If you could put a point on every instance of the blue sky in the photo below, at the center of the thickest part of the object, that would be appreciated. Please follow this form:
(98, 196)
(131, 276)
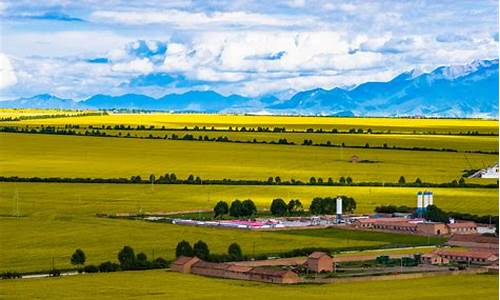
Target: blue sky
(75, 49)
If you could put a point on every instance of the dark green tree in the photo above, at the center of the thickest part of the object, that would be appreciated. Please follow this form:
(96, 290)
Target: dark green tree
(348, 180)
(278, 207)
(248, 208)
(126, 257)
(235, 209)
(342, 180)
(461, 181)
(183, 249)
(78, 258)
(220, 209)
(200, 250)
(435, 214)
(402, 180)
(295, 206)
(312, 180)
(418, 181)
(234, 251)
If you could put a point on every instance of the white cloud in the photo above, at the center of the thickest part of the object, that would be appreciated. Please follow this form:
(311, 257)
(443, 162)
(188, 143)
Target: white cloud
(7, 73)
(185, 19)
(142, 66)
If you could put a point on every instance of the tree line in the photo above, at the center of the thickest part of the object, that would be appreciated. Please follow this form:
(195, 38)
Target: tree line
(191, 179)
(127, 260)
(224, 139)
(279, 208)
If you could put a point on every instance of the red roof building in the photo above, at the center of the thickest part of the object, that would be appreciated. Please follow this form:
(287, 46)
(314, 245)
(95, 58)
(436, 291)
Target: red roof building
(319, 262)
(183, 264)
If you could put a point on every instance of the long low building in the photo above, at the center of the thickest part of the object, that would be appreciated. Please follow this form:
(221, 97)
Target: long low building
(194, 265)
(417, 226)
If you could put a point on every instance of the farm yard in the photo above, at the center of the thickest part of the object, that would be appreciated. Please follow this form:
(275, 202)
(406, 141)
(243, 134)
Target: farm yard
(43, 223)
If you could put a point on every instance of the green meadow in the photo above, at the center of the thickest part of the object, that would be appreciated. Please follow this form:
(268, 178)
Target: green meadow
(32, 155)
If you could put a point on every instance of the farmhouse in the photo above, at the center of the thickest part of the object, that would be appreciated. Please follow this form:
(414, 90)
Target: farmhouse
(183, 264)
(194, 265)
(319, 262)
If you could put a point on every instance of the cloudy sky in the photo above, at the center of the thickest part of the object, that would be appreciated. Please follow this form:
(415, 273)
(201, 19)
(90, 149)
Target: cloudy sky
(75, 49)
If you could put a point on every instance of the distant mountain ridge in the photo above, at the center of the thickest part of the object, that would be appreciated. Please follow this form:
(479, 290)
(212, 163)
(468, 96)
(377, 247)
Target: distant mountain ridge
(456, 91)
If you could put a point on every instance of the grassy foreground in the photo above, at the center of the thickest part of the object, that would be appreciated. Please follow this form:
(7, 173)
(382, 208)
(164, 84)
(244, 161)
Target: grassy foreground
(168, 285)
(73, 156)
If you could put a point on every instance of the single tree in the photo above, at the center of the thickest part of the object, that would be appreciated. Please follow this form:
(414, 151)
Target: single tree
(342, 180)
(200, 250)
(220, 209)
(418, 181)
(348, 180)
(461, 181)
(183, 249)
(126, 257)
(312, 180)
(235, 209)
(78, 258)
(402, 180)
(278, 207)
(248, 208)
(234, 251)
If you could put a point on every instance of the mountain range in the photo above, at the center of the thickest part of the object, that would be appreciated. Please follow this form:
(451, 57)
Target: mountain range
(450, 91)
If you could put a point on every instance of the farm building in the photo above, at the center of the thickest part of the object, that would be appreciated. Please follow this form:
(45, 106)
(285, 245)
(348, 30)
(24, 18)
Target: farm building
(196, 266)
(462, 228)
(183, 264)
(319, 262)
(474, 241)
(418, 226)
(490, 172)
(470, 257)
(434, 259)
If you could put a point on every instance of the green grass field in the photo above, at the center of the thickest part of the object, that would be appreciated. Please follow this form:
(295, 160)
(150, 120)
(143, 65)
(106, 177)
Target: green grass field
(58, 218)
(73, 156)
(64, 214)
(457, 142)
(168, 285)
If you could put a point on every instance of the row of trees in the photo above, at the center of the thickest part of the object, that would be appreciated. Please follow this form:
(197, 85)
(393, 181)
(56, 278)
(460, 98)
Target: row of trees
(280, 208)
(190, 137)
(328, 205)
(245, 208)
(200, 249)
(191, 179)
(127, 260)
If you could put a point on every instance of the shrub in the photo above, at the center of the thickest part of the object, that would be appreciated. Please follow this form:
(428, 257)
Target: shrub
(90, 269)
(109, 267)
